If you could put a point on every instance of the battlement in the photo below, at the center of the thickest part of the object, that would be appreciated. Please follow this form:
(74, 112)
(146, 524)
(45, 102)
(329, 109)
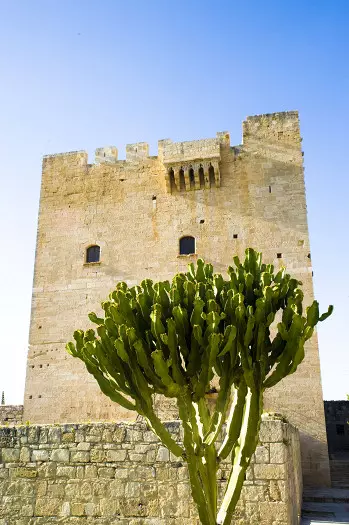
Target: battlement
(282, 126)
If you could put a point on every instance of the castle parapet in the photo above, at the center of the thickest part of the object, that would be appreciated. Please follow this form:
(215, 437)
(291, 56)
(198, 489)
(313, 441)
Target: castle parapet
(137, 151)
(106, 154)
(72, 159)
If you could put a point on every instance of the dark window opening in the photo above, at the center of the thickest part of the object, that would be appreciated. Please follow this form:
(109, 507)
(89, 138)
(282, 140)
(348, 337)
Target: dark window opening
(202, 221)
(340, 430)
(279, 255)
(269, 189)
(39, 396)
(172, 180)
(30, 397)
(187, 245)
(201, 177)
(309, 256)
(154, 198)
(280, 134)
(181, 180)
(211, 176)
(93, 254)
(235, 236)
(191, 179)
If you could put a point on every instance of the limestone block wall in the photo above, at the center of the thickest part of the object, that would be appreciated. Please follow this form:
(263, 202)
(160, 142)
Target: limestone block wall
(136, 210)
(108, 474)
(11, 414)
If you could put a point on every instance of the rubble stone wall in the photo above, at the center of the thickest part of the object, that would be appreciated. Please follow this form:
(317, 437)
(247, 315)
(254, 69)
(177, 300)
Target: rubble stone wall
(11, 414)
(108, 474)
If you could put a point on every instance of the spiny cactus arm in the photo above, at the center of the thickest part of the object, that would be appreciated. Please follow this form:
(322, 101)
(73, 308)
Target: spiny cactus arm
(165, 437)
(210, 454)
(242, 455)
(326, 314)
(199, 485)
(234, 421)
(218, 417)
(110, 389)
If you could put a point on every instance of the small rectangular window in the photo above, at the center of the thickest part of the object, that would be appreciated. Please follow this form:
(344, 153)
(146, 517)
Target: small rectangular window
(279, 255)
(235, 236)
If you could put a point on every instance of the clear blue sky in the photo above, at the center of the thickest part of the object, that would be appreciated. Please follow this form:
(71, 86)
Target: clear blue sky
(83, 74)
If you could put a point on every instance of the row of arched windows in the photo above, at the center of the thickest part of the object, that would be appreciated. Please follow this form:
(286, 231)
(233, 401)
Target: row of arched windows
(186, 247)
(210, 180)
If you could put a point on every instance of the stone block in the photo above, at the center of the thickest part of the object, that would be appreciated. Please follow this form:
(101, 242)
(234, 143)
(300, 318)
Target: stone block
(163, 454)
(46, 506)
(278, 453)
(77, 509)
(54, 435)
(262, 454)
(10, 455)
(77, 456)
(25, 472)
(68, 437)
(116, 455)
(90, 471)
(98, 455)
(106, 472)
(24, 455)
(66, 472)
(270, 471)
(60, 455)
(117, 488)
(65, 510)
(39, 455)
(271, 431)
(83, 446)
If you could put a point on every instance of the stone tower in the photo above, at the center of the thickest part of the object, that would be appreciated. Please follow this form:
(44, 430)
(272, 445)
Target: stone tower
(125, 220)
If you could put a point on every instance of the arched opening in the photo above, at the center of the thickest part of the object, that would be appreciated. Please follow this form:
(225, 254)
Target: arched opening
(191, 179)
(187, 245)
(93, 254)
(181, 180)
(211, 176)
(201, 177)
(172, 180)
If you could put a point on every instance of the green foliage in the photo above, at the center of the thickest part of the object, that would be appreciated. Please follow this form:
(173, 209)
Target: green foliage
(175, 338)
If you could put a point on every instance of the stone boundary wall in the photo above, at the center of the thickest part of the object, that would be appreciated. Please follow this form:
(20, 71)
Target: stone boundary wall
(11, 414)
(108, 474)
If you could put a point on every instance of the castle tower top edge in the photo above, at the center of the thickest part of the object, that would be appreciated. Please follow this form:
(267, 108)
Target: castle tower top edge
(169, 151)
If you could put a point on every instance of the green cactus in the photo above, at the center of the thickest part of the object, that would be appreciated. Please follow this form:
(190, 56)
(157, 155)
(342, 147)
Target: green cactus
(176, 338)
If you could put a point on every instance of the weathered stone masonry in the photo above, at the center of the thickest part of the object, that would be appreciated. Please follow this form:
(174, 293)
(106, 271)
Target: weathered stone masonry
(108, 474)
(11, 414)
(136, 210)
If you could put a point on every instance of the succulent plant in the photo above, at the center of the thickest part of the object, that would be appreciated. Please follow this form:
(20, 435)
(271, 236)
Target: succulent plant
(176, 338)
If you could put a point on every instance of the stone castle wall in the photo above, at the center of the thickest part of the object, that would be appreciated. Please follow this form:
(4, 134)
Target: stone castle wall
(108, 474)
(136, 210)
(11, 414)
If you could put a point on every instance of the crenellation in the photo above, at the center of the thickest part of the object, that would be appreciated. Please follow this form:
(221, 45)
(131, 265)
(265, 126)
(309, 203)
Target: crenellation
(137, 151)
(106, 154)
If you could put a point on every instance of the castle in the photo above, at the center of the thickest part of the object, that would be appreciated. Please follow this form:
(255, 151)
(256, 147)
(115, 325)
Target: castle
(149, 216)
